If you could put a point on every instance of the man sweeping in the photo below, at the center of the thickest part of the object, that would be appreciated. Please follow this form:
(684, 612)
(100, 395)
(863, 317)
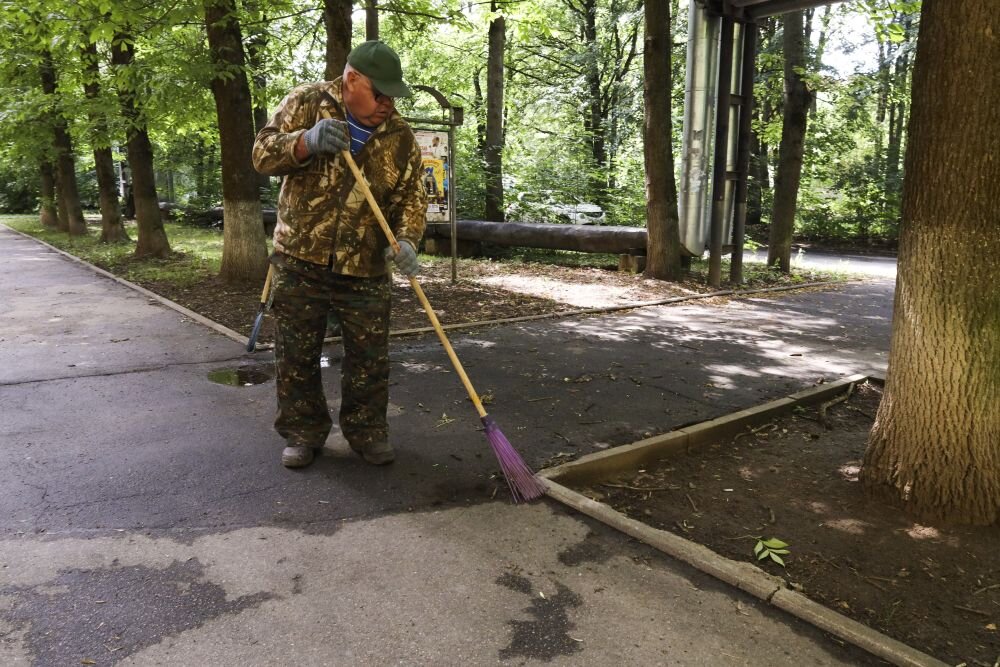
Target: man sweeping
(330, 254)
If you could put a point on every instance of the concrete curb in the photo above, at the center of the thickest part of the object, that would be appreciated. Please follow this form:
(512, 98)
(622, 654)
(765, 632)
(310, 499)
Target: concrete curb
(240, 338)
(745, 576)
(201, 319)
(749, 578)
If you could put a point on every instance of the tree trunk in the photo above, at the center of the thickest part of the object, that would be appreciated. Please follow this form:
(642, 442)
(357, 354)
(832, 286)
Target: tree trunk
(47, 212)
(897, 126)
(337, 17)
(663, 249)
(256, 45)
(69, 197)
(594, 119)
(244, 250)
(112, 228)
(371, 19)
(494, 119)
(793, 133)
(152, 239)
(477, 106)
(935, 446)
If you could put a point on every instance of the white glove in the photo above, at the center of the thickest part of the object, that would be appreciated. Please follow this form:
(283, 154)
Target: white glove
(329, 135)
(405, 260)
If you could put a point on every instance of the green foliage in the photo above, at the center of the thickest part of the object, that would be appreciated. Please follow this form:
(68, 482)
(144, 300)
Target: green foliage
(197, 251)
(772, 548)
(849, 189)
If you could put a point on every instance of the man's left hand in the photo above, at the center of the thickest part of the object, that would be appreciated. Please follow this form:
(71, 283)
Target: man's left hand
(405, 260)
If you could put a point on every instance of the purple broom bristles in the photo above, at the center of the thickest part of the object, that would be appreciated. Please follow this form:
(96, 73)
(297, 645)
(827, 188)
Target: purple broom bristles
(521, 480)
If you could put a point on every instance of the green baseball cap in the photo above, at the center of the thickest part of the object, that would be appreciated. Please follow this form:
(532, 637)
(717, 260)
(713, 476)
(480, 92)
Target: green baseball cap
(380, 63)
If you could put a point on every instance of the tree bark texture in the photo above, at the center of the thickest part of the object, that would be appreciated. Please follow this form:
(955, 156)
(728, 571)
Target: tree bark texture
(152, 239)
(663, 251)
(112, 227)
(256, 45)
(582, 238)
(494, 119)
(244, 249)
(790, 151)
(48, 215)
(594, 123)
(935, 445)
(371, 19)
(71, 218)
(337, 18)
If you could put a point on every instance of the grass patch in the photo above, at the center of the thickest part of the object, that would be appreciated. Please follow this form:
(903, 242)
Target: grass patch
(756, 275)
(196, 253)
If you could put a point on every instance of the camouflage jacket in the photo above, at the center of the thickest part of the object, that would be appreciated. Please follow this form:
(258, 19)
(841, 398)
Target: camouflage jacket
(323, 216)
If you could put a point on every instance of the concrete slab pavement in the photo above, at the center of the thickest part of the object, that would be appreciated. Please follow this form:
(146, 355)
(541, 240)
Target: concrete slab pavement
(147, 520)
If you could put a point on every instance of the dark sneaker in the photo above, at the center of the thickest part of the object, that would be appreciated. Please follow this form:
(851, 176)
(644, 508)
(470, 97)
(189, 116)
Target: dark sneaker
(297, 457)
(376, 453)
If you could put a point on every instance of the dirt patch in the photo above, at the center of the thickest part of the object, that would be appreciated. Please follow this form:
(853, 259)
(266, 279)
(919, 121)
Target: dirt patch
(485, 290)
(936, 588)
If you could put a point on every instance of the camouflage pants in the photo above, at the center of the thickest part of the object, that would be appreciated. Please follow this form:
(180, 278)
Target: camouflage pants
(304, 294)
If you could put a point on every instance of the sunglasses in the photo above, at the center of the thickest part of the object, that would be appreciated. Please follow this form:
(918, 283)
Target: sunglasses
(380, 96)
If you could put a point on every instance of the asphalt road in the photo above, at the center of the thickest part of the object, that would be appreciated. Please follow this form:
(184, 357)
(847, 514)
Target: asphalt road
(146, 519)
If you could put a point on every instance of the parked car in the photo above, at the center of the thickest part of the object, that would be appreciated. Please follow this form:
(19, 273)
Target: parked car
(544, 207)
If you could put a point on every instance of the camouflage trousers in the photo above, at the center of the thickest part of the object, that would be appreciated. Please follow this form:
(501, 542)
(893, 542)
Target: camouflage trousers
(304, 294)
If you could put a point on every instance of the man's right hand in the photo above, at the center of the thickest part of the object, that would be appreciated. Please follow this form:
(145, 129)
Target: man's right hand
(327, 136)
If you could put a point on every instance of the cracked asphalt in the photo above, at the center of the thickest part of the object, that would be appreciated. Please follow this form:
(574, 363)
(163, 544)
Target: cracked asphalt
(146, 519)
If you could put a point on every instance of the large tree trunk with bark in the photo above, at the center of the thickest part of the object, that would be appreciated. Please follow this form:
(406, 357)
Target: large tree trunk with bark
(48, 215)
(152, 239)
(494, 119)
(371, 19)
(337, 18)
(793, 134)
(244, 250)
(663, 250)
(112, 228)
(71, 212)
(256, 45)
(935, 446)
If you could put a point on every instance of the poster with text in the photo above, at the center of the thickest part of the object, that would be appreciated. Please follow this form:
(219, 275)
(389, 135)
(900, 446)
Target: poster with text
(434, 155)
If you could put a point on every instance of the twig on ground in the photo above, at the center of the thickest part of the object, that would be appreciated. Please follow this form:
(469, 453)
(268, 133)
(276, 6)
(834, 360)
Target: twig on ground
(771, 513)
(986, 588)
(832, 402)
(971, 611)
(691, 500)
(638, 488)
(826, 560)
(755, 431)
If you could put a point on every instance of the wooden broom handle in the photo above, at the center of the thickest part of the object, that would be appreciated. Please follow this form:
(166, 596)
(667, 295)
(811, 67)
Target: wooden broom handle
(363, 184)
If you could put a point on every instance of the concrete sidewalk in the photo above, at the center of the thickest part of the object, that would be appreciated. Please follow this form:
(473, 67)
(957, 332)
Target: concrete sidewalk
(146, 518)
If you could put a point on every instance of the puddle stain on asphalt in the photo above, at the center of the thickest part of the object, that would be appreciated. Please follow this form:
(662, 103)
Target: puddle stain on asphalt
(241, 376)
(588, 550)
(109, 614)
(547, 636)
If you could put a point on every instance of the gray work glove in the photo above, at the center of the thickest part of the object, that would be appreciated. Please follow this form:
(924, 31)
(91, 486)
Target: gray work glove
(405, 259)
(327, 136)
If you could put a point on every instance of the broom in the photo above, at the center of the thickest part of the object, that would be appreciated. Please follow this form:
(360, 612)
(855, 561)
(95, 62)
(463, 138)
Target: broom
(521, 480)
(265, 302)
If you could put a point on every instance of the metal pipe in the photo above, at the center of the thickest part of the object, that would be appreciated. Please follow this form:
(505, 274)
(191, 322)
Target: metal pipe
(694, 195)
(743, 157)
(721, 151)
(775, 7)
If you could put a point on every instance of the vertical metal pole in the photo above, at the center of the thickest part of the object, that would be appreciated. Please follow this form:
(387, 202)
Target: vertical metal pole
(743, 156)
(452, 198)
(722, 111)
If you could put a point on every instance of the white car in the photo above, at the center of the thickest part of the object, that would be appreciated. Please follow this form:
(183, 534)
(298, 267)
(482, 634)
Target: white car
(528, 207)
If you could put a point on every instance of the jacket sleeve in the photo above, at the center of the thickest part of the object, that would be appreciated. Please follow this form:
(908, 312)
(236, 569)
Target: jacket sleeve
(409, 202)
(274, 147)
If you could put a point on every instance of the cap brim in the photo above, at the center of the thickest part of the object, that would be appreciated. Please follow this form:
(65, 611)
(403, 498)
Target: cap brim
(392, 88)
